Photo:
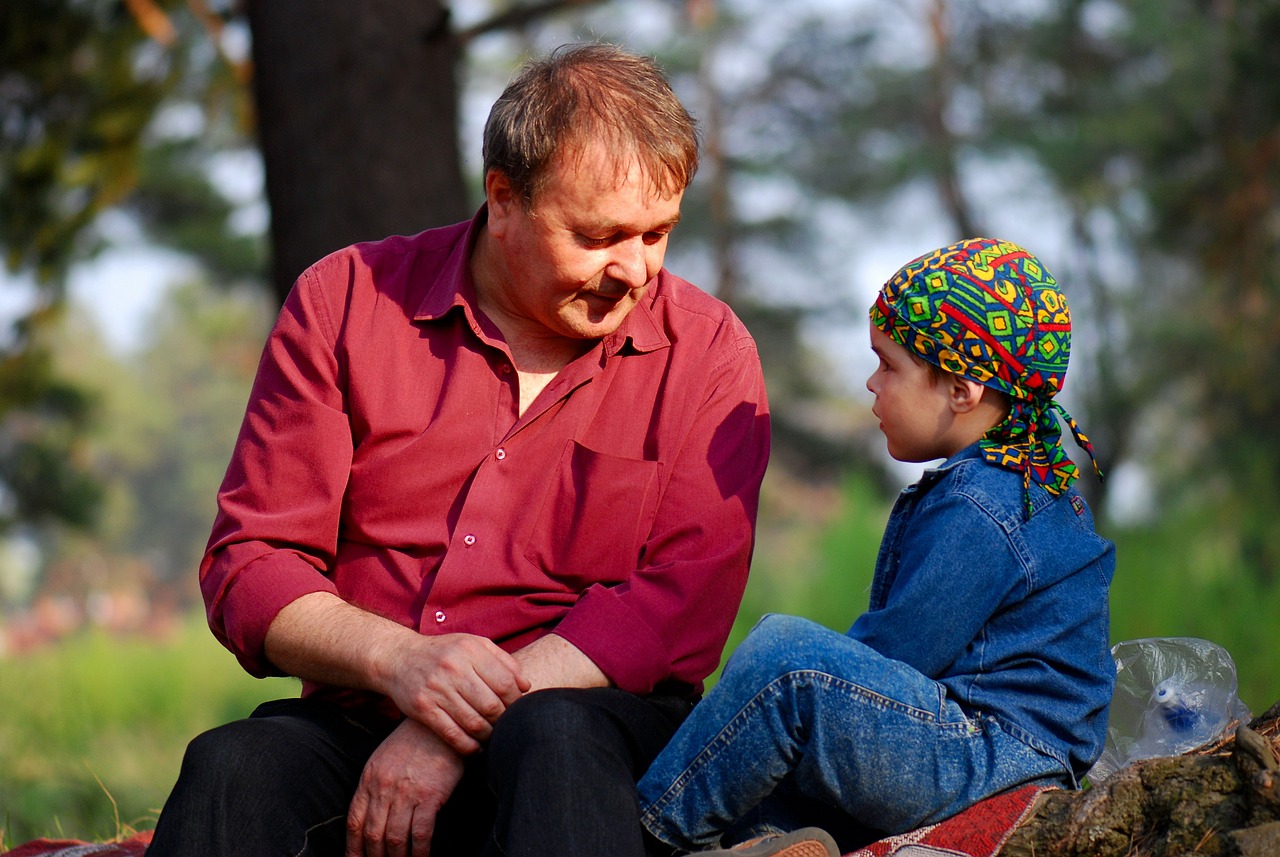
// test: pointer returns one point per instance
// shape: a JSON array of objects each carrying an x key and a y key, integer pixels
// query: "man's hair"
[{"x": 584, "y": 93}]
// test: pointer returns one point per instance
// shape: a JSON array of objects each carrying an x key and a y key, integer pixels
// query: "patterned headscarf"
[{"x": 988, "y": 311}]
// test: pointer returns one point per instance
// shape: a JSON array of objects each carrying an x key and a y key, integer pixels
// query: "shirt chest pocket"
[{"x": 594, "y": 518}]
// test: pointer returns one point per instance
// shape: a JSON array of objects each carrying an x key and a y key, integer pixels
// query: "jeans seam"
[{"x": 307, "y": 835}]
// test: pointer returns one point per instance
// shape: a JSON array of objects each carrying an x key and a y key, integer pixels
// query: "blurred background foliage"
[{"x": 1133, "y": 144}]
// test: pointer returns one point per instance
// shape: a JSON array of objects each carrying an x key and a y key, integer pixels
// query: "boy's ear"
[{"x": 964, "y": 395}]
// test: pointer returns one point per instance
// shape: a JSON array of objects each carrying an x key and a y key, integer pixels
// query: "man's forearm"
[
  {"x": 553, "y": 661},
  {"x": 319, "y": 637}
]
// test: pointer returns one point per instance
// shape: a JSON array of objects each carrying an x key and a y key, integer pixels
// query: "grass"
[{"x": 92, "y": 731}]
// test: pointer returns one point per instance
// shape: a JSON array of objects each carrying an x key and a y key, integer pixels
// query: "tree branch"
[{"x": 519, "y": 16}]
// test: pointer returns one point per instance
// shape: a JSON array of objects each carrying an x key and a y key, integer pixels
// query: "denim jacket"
[{"x": 1008, "y": 613}]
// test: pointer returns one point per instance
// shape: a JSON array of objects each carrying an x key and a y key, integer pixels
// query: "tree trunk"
[
  {"x": 357, "y": 121},
  {"x": 1222, "y": 801}
]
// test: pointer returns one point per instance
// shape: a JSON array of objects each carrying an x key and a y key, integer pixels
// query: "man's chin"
[{"x": 593, "y": 323}]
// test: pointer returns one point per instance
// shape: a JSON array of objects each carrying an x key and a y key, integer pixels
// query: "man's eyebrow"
[{"x": 615, "y": 226}]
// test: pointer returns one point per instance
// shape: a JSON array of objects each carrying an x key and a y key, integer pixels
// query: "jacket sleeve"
[{"x": 950, "y": 575}]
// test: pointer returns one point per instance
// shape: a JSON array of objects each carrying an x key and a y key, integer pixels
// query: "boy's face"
[{"x": 913, "y": 407}]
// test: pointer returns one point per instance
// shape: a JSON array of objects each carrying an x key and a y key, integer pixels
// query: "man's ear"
[
  {"x": 501, "y": 199},
  {"x": 964, "y": 395}
]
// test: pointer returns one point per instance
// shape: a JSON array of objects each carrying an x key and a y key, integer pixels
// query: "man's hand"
[
  {"x": 456, "y": 684},
  {"x": 404, "y": 784}
]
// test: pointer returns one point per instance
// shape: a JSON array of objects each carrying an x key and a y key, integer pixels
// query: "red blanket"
[
  {"x": 979, "y": 831},
  {"x": 133, "y": 846}
]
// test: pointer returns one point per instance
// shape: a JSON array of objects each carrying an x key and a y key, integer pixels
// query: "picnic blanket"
[
  {"x": 979, "y": 831},
  {"x": 133, "y": 846}
]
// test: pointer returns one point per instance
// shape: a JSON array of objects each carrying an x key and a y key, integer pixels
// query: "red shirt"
[{"x": 382, "y": 458}]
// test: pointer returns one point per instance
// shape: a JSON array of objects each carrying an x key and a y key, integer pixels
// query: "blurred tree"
[
  {"x": 358, "y": 118},
  {"x": 169, "y": 414},
  {"x": 87, "y": 90},
  {"x": 1138, "y": 136},
  {"x": 75, "y": 97}
]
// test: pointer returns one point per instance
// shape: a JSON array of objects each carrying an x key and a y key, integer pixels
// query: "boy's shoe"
[{"x": 805, "y": 842}]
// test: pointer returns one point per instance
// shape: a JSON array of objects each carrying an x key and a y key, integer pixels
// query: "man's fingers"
[
  {"x": 422, "y": 829},
  {"x": 355, "y": 823},
  {"x": 445, "y": 726},
  {"x": 395, "y": 836},
  {"x": 504, "y": 680}
]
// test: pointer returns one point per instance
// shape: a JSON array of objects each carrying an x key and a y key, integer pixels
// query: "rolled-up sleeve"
[{"x": 279, "y": 506}]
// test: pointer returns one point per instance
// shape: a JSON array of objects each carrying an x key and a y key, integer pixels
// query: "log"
[{"x": 1222, "y": 800}]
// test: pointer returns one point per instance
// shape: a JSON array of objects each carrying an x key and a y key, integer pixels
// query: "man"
[{"x": 493, "y": 502}]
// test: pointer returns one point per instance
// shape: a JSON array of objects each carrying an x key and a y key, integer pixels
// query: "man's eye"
[{"x": 589, "y": 241}]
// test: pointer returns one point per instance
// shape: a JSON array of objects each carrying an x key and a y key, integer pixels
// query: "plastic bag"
[{"x": 1173, "y": 694}]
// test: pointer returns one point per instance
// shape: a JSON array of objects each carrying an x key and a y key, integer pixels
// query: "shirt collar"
[
  {"x": 453, "y": 287},
  {"x": 933, "y": 474}
]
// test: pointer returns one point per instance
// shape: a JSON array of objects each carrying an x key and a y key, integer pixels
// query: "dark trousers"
[{"x": 558, "y": 778}]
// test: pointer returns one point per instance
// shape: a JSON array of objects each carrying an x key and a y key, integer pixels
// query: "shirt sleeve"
[
  {"x": 950, "y": 574},
  {"x": 669, "y": 621},
  {"x": 287, "y": 476}
]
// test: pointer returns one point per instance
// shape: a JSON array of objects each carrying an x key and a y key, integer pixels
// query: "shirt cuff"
[
  {"x": 608, "y": 632},
  {"x": 256, "y": 596}
]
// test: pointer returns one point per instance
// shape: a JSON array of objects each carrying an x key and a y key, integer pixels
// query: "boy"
[{"x": 983, "y": 661}]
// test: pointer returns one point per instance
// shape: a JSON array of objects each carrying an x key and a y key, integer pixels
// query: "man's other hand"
[
  {"x": 404, "y": 784},
  {"x": 457, "y": 685}
]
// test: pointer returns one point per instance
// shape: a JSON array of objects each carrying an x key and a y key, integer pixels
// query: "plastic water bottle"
[{"x": 1180, "y": 709}]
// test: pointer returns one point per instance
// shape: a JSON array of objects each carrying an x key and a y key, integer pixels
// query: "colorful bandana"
[{"x": 988, "y": 311}]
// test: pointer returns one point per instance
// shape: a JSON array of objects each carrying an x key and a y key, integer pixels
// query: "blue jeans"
[{"x": 805, "y": 720}]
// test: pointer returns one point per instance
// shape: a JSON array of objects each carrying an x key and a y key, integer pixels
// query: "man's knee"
[
  {"x": 241, "y": 754},
  {"x": 556, "y": 716}
]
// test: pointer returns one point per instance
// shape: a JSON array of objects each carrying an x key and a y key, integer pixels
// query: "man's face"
[{"x": 582, "y": 258}]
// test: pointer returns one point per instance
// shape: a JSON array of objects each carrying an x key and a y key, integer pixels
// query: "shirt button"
[
  {"x": 439, "y": 615},
  {"x": 506, "y": 369},
  {"x": 468, "y": 540},
  {"x": 500, "y": 454}
]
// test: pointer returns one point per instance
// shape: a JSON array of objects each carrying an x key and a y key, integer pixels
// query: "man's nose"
[{"x": 630, "y": 262}]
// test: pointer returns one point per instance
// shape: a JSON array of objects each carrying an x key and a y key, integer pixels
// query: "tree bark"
[
  {"x": 357, "y": 121},
  {"x": 1221, "y": 801}
]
